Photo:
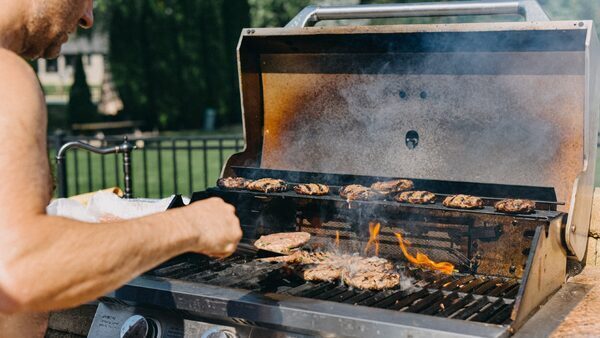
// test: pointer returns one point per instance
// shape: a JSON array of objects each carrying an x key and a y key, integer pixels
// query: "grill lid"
[{"x": 502, "y": 103}]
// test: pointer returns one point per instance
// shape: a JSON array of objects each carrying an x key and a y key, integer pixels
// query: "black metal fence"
[{"x": 161, "y": 166}]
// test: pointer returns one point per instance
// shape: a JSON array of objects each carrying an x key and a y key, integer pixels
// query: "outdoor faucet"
[{"x": 124, "y": 148}]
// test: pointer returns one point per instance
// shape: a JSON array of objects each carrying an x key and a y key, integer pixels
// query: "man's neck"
[{"x": 12, "y": 25}]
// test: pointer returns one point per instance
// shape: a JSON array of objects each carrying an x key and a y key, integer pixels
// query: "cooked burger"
[
  {"x": 393, "y": 186},
  {"x": 416, "y": 197},
  {"x": 372, "y": 273},
  {"x": 322, "y": 273},
  {"x": 516, "y": 206},
  {"x": 372, "y": 279},
  {"x": 361, "y": 193},
  {"x": 232, "y": 183},
  {"x": 268, "y": 185},
  {"x": 361, "y": 272},
  {"x": 313, "y": 189},
  {"x": 282, "y": 242},
  {"x": 298, "y": 257},
  {"x": 463, "y": 202}
]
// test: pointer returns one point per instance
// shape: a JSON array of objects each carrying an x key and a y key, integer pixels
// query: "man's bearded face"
[{"x": 51, "y": 22}]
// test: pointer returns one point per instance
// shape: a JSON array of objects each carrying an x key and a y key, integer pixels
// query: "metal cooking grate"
[{"x": 466, "y": 297}]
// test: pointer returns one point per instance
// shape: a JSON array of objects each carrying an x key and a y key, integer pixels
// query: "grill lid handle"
[{"x": 310, "y": 15}]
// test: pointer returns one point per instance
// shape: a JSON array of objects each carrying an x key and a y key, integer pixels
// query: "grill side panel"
[{"x": 545, "y": 272}]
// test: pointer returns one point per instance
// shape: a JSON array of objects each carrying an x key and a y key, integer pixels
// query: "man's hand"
[{"x": 216, "y": 226}]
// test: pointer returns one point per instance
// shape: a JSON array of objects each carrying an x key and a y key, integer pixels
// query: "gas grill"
[{"x": 496, "y": 110}]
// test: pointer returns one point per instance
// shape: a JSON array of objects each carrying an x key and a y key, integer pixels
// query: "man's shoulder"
[
  {"x": 12, "y": 63},
  {"x": 18, "y": 81}
]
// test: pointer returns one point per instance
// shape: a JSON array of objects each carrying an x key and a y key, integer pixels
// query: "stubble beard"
[{"x": 42, "y": 40}]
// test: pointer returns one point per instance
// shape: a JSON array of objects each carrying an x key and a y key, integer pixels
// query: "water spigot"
[{"x": 124, "y": 148}]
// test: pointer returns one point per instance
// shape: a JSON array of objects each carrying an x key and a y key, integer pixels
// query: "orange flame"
[
  {"x": 337, "y": 239},
  {"x": 424, "y": 261},
  {"x": 373, "y": 233}
]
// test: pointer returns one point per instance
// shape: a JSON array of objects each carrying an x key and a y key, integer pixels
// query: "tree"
[
  {"x": 81, "y": 109},
  {"x": 172, "y": 59},
  {"x": 275, "y": 13},
  {"x": 236, "y": 16}
]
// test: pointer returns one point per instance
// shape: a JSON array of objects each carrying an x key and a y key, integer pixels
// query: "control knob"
[
  {"x": 219, "y": 333},
  {"x": 140, "y": 327}
]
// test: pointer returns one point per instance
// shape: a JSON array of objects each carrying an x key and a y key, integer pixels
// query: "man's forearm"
[{"x": 49, "y": 262}]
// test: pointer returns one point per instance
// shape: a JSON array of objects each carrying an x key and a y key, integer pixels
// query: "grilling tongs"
[
  {"x": 259, "y": 253},
  {"x": 262, "y": 253}
]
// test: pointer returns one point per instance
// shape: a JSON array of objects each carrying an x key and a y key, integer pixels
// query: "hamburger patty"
[
  {"x": 393, "y": 186},
  {"x": 360, "y": 193},
  {"x": 463, "y": 202},
  {"x": 361, "y": 272},
  {"x": 232, "y": 183},
  {"x": 313, "y": 189},
  {"x": 322, "y": 273},
  {"x": 372, "y": 280},
  {"x": 282, "y": 242},
  {"x": 268, "y": 185},
  {"x": 298, "y": 257},
  {"x": 416, "y": 197},
  {"x": 515, "y": 206}
]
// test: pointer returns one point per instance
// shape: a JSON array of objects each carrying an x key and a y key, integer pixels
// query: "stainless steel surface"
[
  {"x": 545, "y": 273},
  {"x": 578, "y": 224},
  {"x": 292, "y": 314},
  {"x": 530, "y": 9},
  {"x": 110, "y": 317},
  {"x": 125, "y": 148}
]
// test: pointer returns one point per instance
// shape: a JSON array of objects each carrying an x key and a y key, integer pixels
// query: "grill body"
[
  {"x": 508, "y": 265},
  {"x": 497, "y": 110}
]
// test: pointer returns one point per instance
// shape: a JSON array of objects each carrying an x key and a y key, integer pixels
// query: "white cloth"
[{"x": 108, "y": 206}]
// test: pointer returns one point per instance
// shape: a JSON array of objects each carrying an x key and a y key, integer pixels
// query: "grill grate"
[
  {"x": 488, "y": 208},
  {"x": 467, "y": 297}
]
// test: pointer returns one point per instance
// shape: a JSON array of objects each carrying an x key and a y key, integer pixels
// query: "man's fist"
[{"x": 215, "y": 226}]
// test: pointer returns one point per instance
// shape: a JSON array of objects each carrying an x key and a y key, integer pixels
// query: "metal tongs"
[
  {"x": 262, "y": 253},
  {"x": 259, "y": 253}
]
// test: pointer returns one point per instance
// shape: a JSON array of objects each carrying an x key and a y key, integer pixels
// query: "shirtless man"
[{"x": 49, "y": 263}]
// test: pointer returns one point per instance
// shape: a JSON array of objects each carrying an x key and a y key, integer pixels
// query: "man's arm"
[{"x": 49, "y": 262}]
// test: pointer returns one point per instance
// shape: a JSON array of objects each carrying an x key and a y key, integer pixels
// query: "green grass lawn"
[{"x": 90, "y": 172}]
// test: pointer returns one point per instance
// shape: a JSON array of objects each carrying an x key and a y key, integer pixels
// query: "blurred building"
[{"x": 56, "y": 76}]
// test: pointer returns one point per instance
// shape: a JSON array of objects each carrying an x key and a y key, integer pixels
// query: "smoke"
[
  {"x": 482, "y": 114},
  {"x": 407, "y": 283}
]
